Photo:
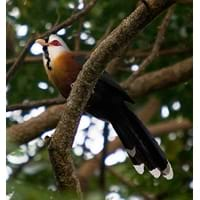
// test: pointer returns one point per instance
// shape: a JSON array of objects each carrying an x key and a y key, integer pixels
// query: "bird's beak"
[{"x": 42, "y": 42}]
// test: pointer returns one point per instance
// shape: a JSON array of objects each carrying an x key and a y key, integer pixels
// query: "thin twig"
[
  {"x": 156, "y": 47},
  {"x": 141, "y": 53},
  {"x": 70, "y": 20},
  {"x": 136, "y": 53},
  {"x": 54, "y": 29},
  {"x": 20, "y": 58},
  {"x": 77, "y": 36},
  {"x": 58, "y": 17},
  {"x": 78, "y": 32},
  {"x": 37, "y": 103},
  {"x": 27, "y": 59}
]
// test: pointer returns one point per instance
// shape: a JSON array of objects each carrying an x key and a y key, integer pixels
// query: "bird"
[{"x": 108, "y": 102}]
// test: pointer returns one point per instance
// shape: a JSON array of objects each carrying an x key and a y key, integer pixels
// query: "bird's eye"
[{"x": 55, "y": 43}]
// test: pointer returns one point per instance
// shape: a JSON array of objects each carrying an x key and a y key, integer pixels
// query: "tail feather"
[{"x": 141, "y": 147}]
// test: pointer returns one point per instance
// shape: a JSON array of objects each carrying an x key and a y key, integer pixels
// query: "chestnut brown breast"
[{"x": 64, "y": 72}]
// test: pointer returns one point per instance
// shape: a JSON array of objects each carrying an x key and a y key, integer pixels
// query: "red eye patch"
[{"x": 55, "y": 43}]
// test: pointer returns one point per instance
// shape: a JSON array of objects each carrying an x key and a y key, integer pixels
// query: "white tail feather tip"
[
  {"x": 155, "y": 173},
  {"x": 168, "y": 172},
  {"x": 131, "y": 152},
  {"x": 139, "y": 168}
]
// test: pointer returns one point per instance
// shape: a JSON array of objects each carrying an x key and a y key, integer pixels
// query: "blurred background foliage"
[{"x": 29, "y": 172}]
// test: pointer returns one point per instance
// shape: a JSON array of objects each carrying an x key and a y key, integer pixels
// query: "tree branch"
[
  {"x": 28, "y": 130},
  {"x": 160, "y": 79},
  {"x": 61, "y": 141},
  {"x": 27, "y": 59},
  {"x": 20, "y": 58},
  {"x": 156, "y": 47},
  {"x": 37, "y": 103},
  {"x": 77, "y": 35},
  {"x": 138, "y": 53},
  {"x": 163, "y": 52}
]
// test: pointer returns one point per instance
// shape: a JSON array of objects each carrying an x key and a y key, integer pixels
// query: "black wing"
[
  {"x": 106, "y": 84},
  {"x": 108, "y": 81}
]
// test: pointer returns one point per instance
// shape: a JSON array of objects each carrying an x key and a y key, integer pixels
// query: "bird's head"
[{"x": 53, "y": 46}]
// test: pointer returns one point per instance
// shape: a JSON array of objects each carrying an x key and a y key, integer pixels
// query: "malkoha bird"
[{"x": 108, "y": 102}]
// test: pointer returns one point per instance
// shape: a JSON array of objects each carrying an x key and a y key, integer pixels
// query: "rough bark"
[
  {"x": 161, "y": 79},
  {"x": 28, "y": 130}
]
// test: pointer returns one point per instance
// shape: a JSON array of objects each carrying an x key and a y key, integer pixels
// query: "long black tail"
[{"x": 141, "y": 147}]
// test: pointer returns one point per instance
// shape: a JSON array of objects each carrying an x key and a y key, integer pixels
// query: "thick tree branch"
[
  {"x": 61, "y": 141},
  {"x": 54, "y": 29},
  {"x": 28, "y": 130},
  {"x": 160, "y": 79}
]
